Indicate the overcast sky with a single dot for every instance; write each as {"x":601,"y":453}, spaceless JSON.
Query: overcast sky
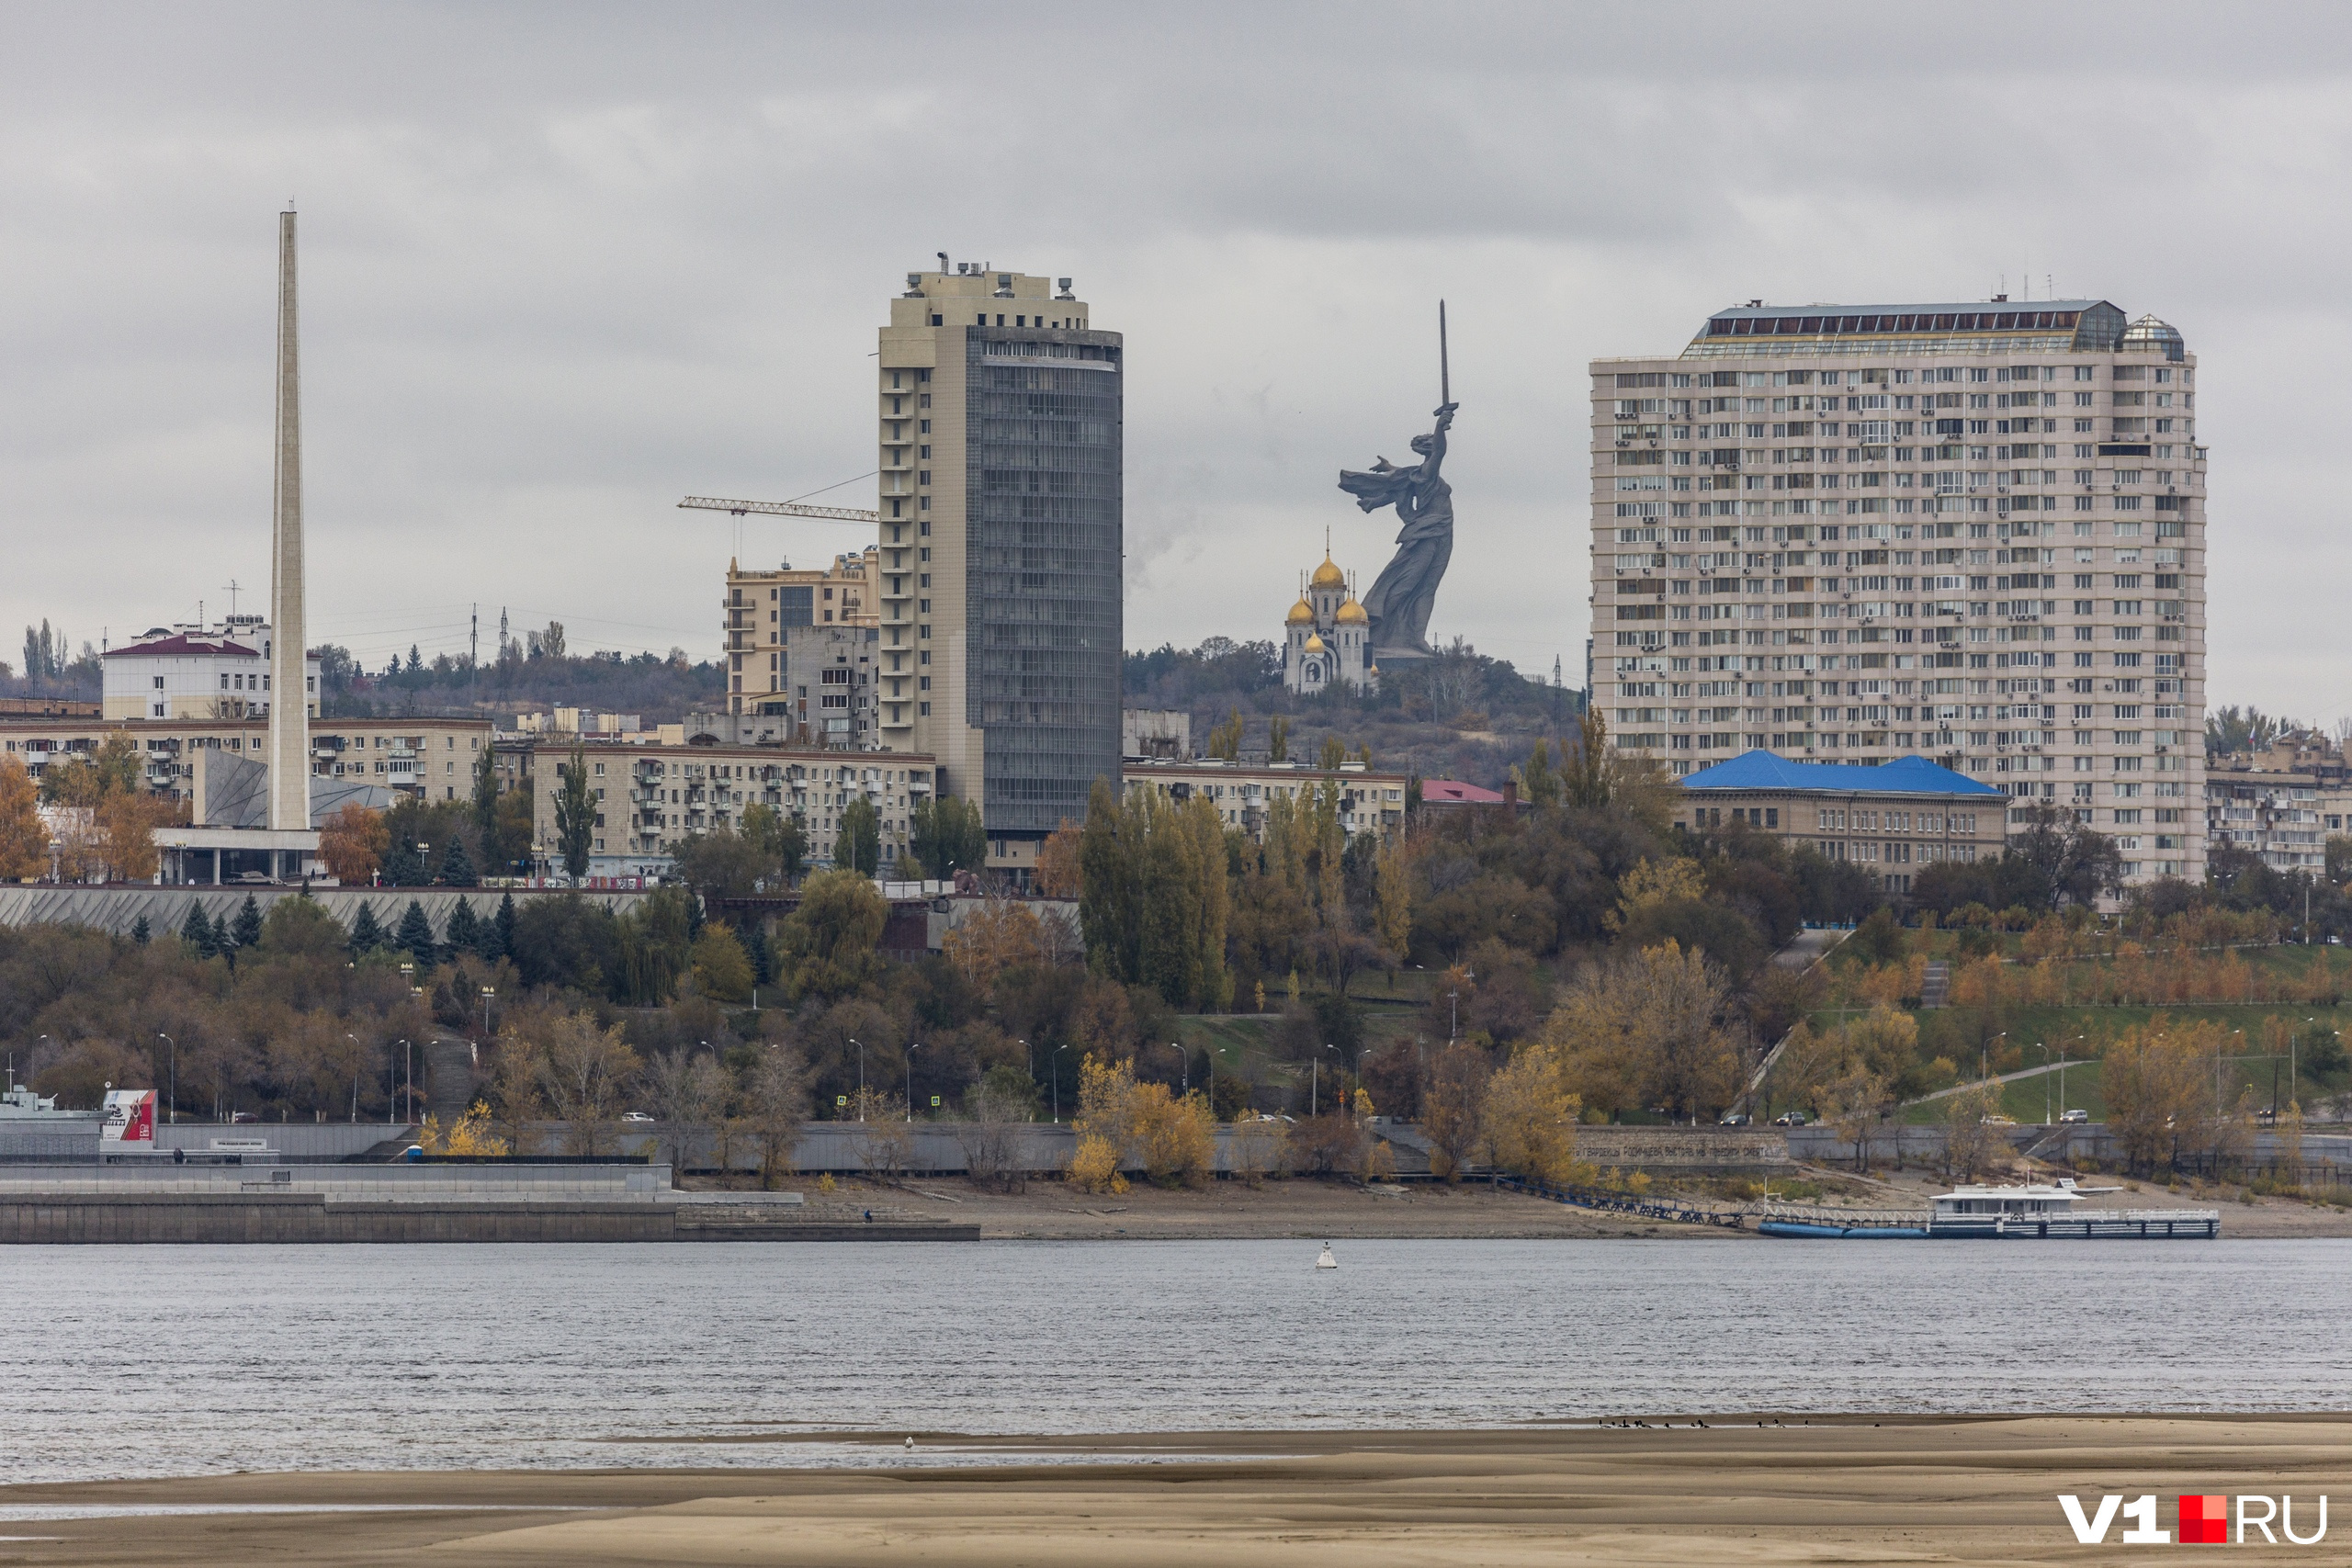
{"x":564,"y":265}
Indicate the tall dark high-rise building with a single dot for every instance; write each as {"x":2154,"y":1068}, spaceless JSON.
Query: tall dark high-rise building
{"x":1000,"y":539}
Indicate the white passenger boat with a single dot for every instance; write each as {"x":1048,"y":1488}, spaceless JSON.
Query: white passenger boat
{"x":2032,"y":1211}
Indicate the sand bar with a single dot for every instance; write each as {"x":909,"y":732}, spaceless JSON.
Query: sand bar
{"x":1842,"y":1491}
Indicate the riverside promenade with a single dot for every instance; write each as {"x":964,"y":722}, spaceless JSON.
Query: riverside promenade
{"x":126,"y":1205}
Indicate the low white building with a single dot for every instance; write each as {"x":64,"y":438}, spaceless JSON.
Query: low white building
{"x":184,"y":672}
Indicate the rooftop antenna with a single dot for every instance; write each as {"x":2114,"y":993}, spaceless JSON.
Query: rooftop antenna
{"x":231,"y":586}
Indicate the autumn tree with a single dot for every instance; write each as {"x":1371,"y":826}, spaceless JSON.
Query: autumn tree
{"x":126,"y":834}
{"x":994,"y":935}
{"x":829,"y":946}
{"x":583,"y":1070}
{"x":1531,"y":1117}
{"x":775,"y":1101}
{"x":2158,"y":1078}
{"x":1971,"y":1143}
{"x":721,"y":969}
{"x":1393,"y":883}
{"x":1647,"y":1028}
{"x":24,"y":842}
{"x":1858,"y":1104}
{"x":115,"y":768}
{"x":1153,"y":898}
{"x":1057,"y":873}
{"x":353,"y":843}
{"x":1453,"y":1108}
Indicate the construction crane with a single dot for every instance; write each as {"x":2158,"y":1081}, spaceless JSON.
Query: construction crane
{"x":777,"y":509}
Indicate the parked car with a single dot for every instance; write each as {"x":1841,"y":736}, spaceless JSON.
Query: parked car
{"x":636,"y":1119}
{"x":2077,"y":1115}
{"x":1790,"y":1119}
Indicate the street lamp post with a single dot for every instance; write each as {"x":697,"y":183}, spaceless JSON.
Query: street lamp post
{"x":1057,"y":1084}
{"x":1186,"y":1057}
{"x":861,"y":1080}
{"x":1361,"y":1054}
{"x":174,"y":1113}
{"x":2045,"y":1081}
{"x":487,"y":992}
{"x":357,"y":1051}
{"x":911,"y":1049}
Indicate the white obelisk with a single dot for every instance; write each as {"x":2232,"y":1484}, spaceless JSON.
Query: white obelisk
{"x":289,"y":698}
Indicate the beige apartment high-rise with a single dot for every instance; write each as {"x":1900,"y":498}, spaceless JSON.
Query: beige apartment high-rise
{"x":764,"y":609}
{"x":1973,"y":531}
{"x":1000,"y":412}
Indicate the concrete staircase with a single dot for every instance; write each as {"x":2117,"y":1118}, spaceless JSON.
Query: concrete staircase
{"x":1936,"y":987}
{"x":448,"y":1080}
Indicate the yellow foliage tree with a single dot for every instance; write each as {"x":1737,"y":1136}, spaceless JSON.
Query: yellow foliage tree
{"x":24,"y":842}
{"x":1095,"y":1167}
{"x":1656,"y":882}
{"x":125,"y":825}
{"x":469,"y":1135}
{"x":1056,"y":874}
{"x":996,"y":935}
{"x":1530,"y":1116}
{"x":353,"y":843}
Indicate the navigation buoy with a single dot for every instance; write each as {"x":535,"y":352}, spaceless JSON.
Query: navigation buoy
{"x":1327,"y":1261}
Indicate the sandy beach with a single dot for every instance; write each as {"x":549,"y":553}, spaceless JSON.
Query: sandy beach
{"x":1845,"y":1491}
{"x":1339,"y":1210}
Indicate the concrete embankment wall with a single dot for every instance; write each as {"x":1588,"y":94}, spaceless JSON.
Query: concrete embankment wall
{"x":96,"y":1219}
{"x":117,"y":910}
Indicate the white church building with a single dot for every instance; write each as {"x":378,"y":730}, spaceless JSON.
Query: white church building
{"x":1326,"y":638}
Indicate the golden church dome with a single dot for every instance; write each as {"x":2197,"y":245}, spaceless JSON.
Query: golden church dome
{"x":1301,"y":615}
{"x":1315,"y":643}
{"x":1328,"y":576}
{"x":1353,"y":615}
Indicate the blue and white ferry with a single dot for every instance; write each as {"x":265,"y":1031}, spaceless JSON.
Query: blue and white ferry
{"x":2032,"y":1210}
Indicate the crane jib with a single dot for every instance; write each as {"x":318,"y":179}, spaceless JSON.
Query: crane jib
{"x":777,"y":509}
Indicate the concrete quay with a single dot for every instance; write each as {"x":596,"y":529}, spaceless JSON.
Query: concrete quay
{"x":111,"y":1206}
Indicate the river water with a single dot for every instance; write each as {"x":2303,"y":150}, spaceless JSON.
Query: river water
{"x":189,"y":1359}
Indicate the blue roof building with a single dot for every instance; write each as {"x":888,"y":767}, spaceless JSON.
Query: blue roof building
{"x":1905,"y":775}
{"x":1890,"y":820}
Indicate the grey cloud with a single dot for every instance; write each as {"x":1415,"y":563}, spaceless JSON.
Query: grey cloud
{"x":563,"y":264}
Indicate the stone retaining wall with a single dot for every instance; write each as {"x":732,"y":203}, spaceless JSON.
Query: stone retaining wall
{"x":302,"y":1217}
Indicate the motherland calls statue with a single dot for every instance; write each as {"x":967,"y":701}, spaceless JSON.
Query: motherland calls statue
{"x":1400,"y":601}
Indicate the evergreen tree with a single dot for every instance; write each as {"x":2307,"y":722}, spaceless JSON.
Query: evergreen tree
{"x":457,"y":867}
{"x":365,"y":934}
{"x":247,"y":929}
{"x":755,"y":948}
{"x":401,"y":866}
{"x":502,"y":928}
{"x":415,"y":935}
{"x":464,"y":932}
{"x":198,"y":932}
{"x":138,"y":932}
{"x":224,"y":942}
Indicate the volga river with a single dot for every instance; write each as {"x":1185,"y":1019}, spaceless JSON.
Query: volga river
{"x":168,"y":1360}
